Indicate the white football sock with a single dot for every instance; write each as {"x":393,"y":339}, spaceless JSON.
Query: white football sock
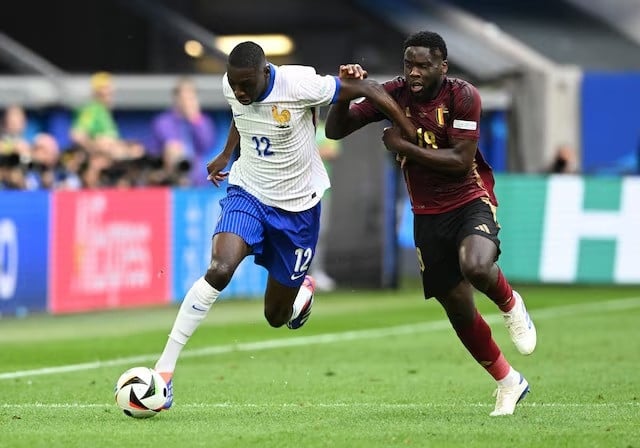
{"x":194,"y":308}
{"x":512,"y":378}
{"x":303,"y":295}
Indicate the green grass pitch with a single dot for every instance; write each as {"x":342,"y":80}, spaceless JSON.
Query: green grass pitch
{"x":370,"y":369}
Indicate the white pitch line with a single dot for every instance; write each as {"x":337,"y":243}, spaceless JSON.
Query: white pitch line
{"x":327,"y":338}
{"x":322,"y":405}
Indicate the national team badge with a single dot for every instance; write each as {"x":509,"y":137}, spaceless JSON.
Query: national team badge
{"x":440,"y":111}
{"x":282,"y":118}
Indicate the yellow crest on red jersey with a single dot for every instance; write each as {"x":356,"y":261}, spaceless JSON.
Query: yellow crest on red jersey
{"x":440,"y":111}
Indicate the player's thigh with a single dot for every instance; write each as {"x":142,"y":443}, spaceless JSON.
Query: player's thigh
{"x":242,"y":216}
{"x":437,"y":254}
{"x":289,"y":245}
{"x":227,"y":251}
{"x":477,"y":236}
{"x":239,"y":232}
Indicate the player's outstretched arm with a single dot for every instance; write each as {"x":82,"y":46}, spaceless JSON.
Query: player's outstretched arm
{"x":340,"y":122}
{"x":351,"y":89}
{"x":219,"y":162}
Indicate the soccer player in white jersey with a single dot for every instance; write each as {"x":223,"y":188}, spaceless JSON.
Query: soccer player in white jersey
{"x":272,"y":207}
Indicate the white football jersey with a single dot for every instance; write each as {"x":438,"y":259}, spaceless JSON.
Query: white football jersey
{"x":279,"y":161}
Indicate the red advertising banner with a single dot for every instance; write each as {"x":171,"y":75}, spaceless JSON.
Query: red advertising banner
{"x":110,"y":249}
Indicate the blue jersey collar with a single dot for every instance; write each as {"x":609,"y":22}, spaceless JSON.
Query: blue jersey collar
{"x":272,"y":78}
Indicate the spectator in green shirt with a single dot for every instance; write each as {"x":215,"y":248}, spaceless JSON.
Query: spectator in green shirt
{"x":93,"y":127}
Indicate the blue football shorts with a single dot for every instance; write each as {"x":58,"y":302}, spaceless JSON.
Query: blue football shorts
{"x":283,"y":242}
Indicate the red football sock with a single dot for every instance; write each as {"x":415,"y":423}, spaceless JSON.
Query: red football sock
{"x":478,"y":341}
{"x":501,"y":293}
{"x":499,"y":369}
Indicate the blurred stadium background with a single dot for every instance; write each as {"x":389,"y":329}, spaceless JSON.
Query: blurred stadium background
{"x":560,"y":81}
{"x":102,"y":232}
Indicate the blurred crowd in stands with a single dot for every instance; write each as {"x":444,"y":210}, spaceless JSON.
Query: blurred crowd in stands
{"x":98,"y":157}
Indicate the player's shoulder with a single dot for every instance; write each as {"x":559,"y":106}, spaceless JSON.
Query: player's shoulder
{"x":464,"y":96}
{"x":397,"y":89}
{"x":288,"y":79}
{"x":294,"y":71}
{"x":461,"y":86}
{"x":395,"y":85}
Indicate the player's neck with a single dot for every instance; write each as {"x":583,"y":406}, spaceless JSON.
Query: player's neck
{"x":434,"y":91}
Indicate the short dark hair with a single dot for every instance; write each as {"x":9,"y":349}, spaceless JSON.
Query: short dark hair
{"x":427,"y":39}
{"x":247,"y":55}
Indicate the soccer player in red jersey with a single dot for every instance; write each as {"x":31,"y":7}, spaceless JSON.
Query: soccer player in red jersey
{"x":451,"y":191}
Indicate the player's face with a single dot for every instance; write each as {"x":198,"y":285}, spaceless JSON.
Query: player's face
{"x":423,"y":70}
{"x":247,"y":83}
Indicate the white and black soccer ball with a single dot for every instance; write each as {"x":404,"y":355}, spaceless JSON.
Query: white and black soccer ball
{"x":141,"y":392}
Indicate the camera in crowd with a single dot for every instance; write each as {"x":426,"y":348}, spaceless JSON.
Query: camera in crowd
{"x":11,"y":160}
{"x":145,"y":170}
{"x":12,"y":173}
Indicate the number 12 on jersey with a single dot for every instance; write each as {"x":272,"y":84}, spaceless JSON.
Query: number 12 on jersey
{"x":262,"y":145}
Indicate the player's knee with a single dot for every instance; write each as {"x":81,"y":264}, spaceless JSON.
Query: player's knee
{"x":276,"y":316}
{"x":219,"y":274}
{"x":476,"y":271}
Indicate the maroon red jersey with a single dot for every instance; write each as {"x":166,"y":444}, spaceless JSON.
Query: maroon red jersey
{"x":453,"y":114}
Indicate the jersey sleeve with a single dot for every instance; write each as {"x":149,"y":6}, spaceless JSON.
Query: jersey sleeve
{"x":366,"y":111}
{"x":465,"y":117}
{"x":316,"y":90}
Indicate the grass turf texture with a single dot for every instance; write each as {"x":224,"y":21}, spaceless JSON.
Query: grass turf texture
{"x":370,"y":369}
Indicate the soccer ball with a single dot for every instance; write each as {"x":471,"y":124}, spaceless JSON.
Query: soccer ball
{"x":141,"y":392}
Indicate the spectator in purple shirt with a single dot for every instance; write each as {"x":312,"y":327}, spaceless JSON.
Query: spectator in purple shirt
{"x":183,"y":136}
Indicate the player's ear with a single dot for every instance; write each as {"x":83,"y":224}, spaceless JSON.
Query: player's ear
{"x":445,"y":67}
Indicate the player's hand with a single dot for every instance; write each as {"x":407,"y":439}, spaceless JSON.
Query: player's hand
{"x":392,"y":137}
{"x":352,"y":71}
{"x":421,"y":143}
{"x":215,"y":167}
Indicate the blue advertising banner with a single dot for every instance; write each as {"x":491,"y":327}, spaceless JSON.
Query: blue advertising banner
{"x":610,"y":136}
{"x":24,"y":252}
{"x":195,"y":214}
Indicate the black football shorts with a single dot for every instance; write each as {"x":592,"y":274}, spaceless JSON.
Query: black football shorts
{"x":438,"y":238}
